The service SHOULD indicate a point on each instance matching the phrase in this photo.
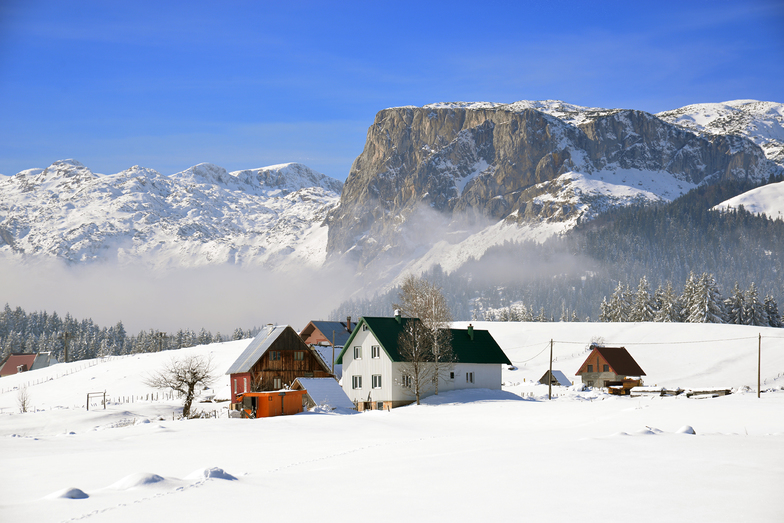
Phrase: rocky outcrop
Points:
(493, 162)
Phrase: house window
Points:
(376, 381)
(299, 355)
(606, 368)
(246, 384)
(407, 381)
(452, 376)
(364, 327)
(274, 355)
(356, 382)
(590, 383)
(375, 351)
(235, 385)
(277, 383)
(590, 368)
(469, 377)
(379, 405)
(358, 353)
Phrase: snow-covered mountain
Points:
(761, 122)
(435, 184)
(443, 182)
(203, 215)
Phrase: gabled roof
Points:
(619, 359)
(482, 348)
(324, 391)
(327, 328)
(14, 361)
(258, 346)
(559, 376)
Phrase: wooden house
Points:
(609, 366)
(328, 338)
(374, 375)
(273, 360)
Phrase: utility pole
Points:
(550, 377)
(759, 363)
(160, 336)
(65, 337)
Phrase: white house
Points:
(373, 373)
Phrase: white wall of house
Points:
(366, 367)
(466, 375)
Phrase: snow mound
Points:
(207, 473)
(140, 479)
(686, 429)
(68, 493)
(469, 396)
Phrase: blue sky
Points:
(167, 85)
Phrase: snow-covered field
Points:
(465, 456)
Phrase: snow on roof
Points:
(256, 349)
(326, 391)
(560, 377)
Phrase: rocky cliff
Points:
(478, 164)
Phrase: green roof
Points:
(481, 349)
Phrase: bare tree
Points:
(421, 299)
(183, 376)
(415, 349)
(23, 398)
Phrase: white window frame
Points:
(407, 381)
(452, 376)
(277, 383)
(358, 352)
(376, 381)
(469, 377)
(356, 382)
(375, 351)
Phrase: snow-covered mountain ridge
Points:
(447, 180)
(203, 215)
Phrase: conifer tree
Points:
(706, 305)
(755, 308)
(772, 310)
(735, 306)
(642, 310)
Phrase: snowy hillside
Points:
(131, 462)
(768, 199)
(474, 449)
(201, 216)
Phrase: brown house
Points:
(608, 366)
(273, 360)
(328, 338)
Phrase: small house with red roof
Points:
(19, 362)
(609, 366)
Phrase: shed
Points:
(558, 378)
(271, 403)
(323, 391)
(273, 360)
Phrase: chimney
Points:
(471, 331)
(397, 315)
(348, 324)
